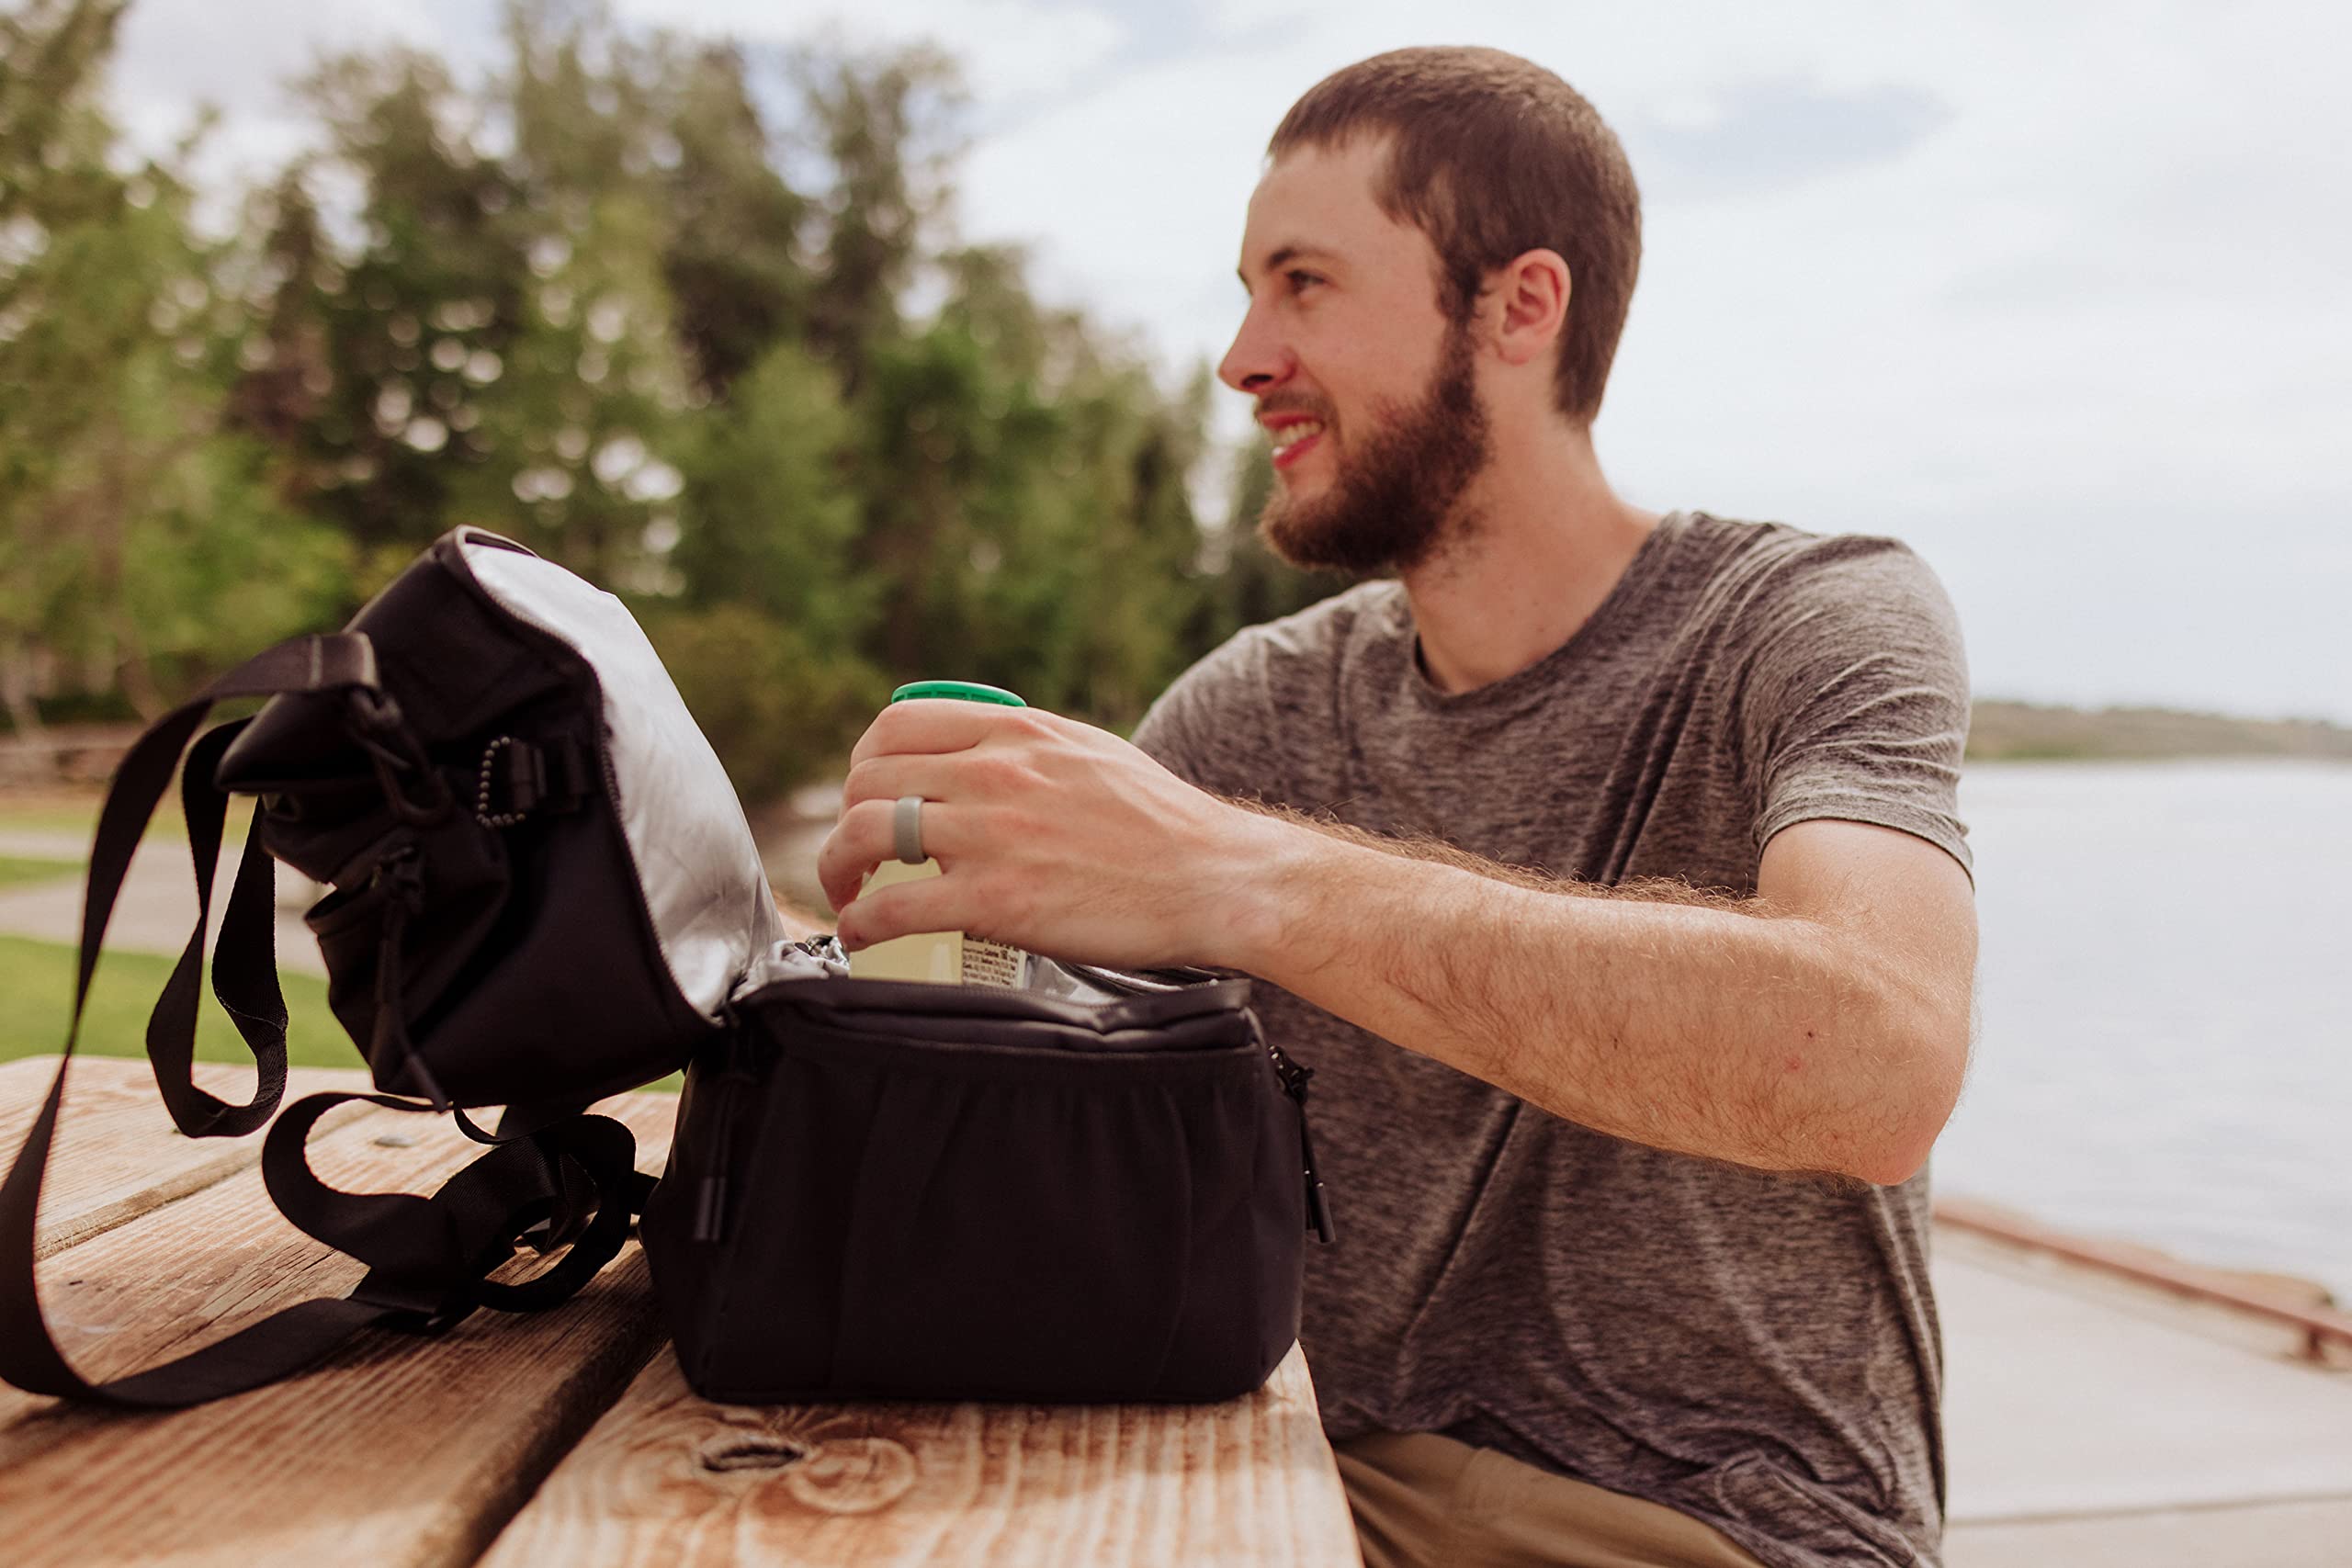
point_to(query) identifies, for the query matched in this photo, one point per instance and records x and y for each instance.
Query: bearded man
(1604, 863)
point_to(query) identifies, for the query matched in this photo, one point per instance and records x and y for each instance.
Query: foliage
(688, 318)
(135, 521)
(777, 706)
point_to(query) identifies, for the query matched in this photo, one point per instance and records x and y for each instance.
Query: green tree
(414, 316)
(885, 127)
(780, 708)
(732, 260)
(134, 516)
(767, 520)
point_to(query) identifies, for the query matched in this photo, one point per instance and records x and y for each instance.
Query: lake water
(2164, 990)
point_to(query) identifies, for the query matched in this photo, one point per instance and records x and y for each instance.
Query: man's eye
(1299, 280)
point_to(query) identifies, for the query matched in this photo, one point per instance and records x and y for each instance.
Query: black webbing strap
(425, 1257)
(244, 964)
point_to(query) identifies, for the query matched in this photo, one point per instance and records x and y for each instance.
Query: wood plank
(669, 1479)
(118, 1154)
(397, 1451)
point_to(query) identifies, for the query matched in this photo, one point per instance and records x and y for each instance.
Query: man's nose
(1259, 360)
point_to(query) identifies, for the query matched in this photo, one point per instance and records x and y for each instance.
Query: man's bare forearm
(1710, 1026)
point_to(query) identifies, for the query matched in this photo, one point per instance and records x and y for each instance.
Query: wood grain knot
(852, 1475)
(749, 1450)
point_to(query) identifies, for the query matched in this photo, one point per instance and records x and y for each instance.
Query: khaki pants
(1423, 1501)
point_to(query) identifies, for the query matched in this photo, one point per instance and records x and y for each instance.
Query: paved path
(44, 843)
(157, 905)
(2092, 1421)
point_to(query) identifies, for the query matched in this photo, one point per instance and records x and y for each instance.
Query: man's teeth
(1289, 436)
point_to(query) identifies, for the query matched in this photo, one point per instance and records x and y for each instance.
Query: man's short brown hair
(1492, 157)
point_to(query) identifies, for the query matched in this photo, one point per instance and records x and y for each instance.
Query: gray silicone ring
(906, 830)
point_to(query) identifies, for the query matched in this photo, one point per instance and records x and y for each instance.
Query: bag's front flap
(454, 665)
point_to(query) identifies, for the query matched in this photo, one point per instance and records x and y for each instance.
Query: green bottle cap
(966, 690)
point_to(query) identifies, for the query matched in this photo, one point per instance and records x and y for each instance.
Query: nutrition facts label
(993, 964)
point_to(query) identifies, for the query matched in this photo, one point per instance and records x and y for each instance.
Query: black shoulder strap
(426, 1257)
(244, 964)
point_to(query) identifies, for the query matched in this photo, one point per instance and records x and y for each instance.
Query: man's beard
(1394, 504)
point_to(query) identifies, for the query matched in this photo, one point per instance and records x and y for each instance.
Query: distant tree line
(2002, 731)
(686, 317)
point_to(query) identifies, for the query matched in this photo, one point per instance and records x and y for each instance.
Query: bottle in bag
(948, 958)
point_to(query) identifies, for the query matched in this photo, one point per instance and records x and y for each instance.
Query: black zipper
(612, 774)
(1293, 1077)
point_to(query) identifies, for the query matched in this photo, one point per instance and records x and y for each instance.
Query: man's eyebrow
(1282, 256)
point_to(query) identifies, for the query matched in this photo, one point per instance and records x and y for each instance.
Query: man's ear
(1528, 299)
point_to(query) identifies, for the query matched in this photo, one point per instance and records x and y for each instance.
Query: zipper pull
(1293, 1076)
(710, 1209)
(1318, 1206)
(1293, 1081)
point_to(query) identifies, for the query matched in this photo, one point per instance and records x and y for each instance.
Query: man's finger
(867, 835)
(859, 842)
(892, 774)
(935, 724)
(903, 908)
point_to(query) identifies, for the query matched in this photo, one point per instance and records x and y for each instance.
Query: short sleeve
(1210, 727)
(1168, 733)
(1855, 701)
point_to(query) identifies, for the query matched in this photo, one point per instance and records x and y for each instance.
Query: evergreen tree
(732, 259)
(140, 541)
(417, 317)
(884, 127)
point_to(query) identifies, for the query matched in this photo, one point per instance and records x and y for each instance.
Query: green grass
(14, 871)
(37, 998)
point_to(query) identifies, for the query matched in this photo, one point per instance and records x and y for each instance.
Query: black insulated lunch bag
(544, 891)
(893, 1189)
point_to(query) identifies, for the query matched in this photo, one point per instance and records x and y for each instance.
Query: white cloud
(175, 52)
(1010, 49)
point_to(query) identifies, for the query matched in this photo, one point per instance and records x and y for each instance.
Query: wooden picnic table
(565, 1437)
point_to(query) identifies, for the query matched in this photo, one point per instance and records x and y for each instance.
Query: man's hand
(1051, 835)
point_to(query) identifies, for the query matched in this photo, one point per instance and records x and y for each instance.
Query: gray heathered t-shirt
(1756, 1349)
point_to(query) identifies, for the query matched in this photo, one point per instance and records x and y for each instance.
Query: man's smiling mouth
(1291, 441)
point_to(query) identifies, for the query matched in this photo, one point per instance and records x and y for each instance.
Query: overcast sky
(2059, 294)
